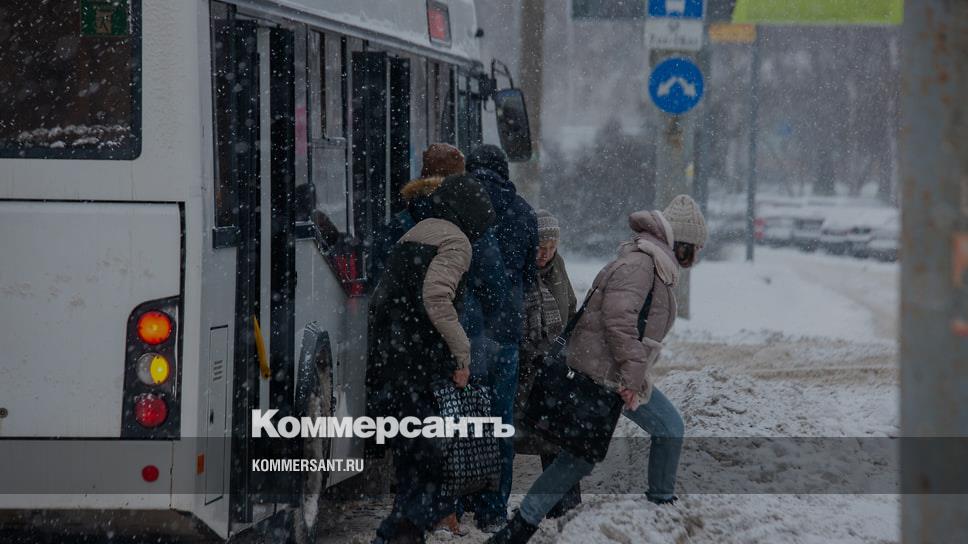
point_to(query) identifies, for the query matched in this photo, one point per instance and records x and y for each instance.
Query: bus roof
(401, 24)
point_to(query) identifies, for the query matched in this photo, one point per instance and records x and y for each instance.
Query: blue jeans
(659, 418)
(502, 372)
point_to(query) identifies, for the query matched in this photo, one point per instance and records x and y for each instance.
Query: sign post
(751, 169)
(673, 35)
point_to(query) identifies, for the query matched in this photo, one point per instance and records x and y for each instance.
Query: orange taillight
(154, 327)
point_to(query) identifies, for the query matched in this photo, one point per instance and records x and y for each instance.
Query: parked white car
(807, 224)
(775, 220)
(877, 235)
(836, 229)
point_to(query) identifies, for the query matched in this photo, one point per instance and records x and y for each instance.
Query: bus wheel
(314, 398)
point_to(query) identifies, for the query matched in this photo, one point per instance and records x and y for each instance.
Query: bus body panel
(70, 277)
(89, 474)
(399, 23)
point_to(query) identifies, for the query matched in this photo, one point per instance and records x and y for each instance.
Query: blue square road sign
(683, 9)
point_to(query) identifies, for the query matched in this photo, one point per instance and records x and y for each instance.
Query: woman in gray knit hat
(618, 339)
(547, 308)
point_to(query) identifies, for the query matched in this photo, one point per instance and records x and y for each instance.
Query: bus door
(261, 137)
(381, 140)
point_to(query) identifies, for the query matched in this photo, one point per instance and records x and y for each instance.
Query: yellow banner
(732, 33)
(819, 12)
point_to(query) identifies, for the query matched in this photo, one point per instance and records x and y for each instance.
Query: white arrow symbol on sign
(666, 86)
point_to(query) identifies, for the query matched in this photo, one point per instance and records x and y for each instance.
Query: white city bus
(159, 272)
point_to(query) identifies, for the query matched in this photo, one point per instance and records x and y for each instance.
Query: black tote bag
(569, 409)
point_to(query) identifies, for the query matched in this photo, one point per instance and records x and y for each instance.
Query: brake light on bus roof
(150, 410)
(154, 327)
(153, 369)
(438, 22)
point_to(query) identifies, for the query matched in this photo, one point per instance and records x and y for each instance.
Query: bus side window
(469, 105)
(419, 113)
(224, 75)
(399, 140)
(440, 83)
(327, 130)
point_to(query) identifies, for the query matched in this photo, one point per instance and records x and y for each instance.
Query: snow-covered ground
(792, 345)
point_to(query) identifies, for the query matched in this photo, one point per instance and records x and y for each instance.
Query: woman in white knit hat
(616, 341)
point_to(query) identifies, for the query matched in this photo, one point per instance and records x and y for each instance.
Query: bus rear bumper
(21, 525)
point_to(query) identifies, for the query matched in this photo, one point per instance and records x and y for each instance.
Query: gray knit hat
(547, 226)
(686, 219)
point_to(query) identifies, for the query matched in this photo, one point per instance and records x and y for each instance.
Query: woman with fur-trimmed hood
(415, 340)
(439, 161)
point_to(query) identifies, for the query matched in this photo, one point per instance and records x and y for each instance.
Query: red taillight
(349, 272)
(759, 226)
(150, 410)
(154, 327)
(149, 473)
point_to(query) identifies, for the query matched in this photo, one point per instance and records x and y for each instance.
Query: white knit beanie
(547, 226)
(688, 224)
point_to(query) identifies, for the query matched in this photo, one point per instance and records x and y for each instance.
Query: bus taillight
(150, 410)
(154, 327)
(151, 374)
(153, 369)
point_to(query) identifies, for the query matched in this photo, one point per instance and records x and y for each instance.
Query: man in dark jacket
(516, 231)
(416, 339)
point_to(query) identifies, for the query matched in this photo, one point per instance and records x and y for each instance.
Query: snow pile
(766, 519)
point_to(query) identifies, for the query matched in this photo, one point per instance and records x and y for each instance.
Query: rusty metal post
(531, 76)
(934, 269)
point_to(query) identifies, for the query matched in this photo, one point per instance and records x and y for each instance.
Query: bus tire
(314, 398)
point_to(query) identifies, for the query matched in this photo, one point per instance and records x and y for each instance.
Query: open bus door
(260, 104)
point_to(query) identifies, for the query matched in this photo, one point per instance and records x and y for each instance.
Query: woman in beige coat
(616, 342)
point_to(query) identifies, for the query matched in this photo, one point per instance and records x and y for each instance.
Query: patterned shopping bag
(471, 464)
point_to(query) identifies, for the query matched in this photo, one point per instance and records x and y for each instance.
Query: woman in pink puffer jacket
(616, 342)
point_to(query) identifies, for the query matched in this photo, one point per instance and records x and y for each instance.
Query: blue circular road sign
(676, 85)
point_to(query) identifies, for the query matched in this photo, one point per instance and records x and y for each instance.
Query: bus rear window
(70, 79)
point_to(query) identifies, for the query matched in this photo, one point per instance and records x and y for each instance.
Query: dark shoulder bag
(569, 409)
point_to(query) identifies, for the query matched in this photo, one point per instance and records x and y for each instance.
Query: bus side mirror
(512, 124)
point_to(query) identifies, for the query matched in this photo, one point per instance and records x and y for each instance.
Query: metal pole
(531, 75)
(751, 180)
(674, 149)
(934, 269)
(701, 148)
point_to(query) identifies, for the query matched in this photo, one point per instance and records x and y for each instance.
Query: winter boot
(570, 500)
(517, 531)
(404, 532)
(670, 500)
